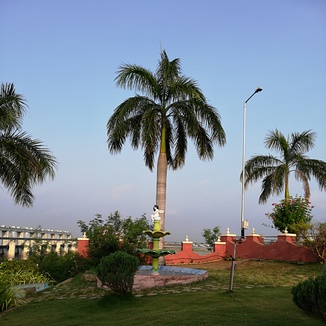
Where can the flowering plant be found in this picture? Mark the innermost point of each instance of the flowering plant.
(291, 212)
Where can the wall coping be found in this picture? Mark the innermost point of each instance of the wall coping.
(287, 235)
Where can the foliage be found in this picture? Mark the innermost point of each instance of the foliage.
(117, 271)
(60, 268)
(314, 236)
(24, 161)
(8, 297)
(16, 273)
(275, 171)
(22, 272)
(57, 267)
(263, 288)
(310, 296)
(211, 235)
(171, 110)
(290, 213)
(113, 234)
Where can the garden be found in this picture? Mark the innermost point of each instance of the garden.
(261, 294)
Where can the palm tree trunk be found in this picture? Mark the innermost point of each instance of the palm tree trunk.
(162, 166)
(161, 189)
(287, 193)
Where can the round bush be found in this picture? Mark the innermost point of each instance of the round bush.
(117, 271)
(310, 295)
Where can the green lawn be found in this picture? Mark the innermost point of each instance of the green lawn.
(262, 296)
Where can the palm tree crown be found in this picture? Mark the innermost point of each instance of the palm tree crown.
(24, 162)
(171, 110)
(275, 171)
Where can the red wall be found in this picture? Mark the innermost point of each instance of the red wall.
(82, 246)
(285, 249)
(252, 247)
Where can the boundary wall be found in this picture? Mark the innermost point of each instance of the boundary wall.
(252, 247)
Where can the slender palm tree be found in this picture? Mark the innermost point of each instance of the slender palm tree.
(24, 161)
(275, 171)
(172, 109)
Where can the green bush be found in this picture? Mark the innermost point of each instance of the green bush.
(60, 268)
(16, 273)
(310, 295)
(21, 273)
(117, 271)
(114, 234)
(291, 212)
(8, 297)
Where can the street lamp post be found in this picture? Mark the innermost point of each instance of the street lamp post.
(243, 222)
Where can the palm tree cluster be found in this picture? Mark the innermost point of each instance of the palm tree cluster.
(275, 171)
(171, 110)
(24, 161)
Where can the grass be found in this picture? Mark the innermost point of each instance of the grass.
(262, 295)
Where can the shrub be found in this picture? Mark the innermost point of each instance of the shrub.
(310, 295)
(16, 273)
(21, 273)
(8, 297)
(60, 268)
(114, 234)
(117, 271)
(291, 212)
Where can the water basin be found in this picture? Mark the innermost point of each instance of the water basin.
(167, 276)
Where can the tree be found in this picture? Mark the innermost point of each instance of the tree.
(172, 109)
(113, 234)
(24, 162)
(275, 171)
(314, 236)
(211, 236)
(291, 213)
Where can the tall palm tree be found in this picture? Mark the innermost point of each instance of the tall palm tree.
(275, 171)
(24, 161)
(172, 109)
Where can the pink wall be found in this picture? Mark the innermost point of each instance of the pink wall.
(285, 248)
(82, 246)
(252, 247)
(187, 256)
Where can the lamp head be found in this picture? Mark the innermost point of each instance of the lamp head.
(259, 89)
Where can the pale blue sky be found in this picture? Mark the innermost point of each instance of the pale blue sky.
(62, 56)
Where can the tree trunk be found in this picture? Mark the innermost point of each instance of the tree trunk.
(161, 189)
(287, 193)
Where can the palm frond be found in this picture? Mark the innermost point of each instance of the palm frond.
(302, 142)
(12, 107)
(23, 163)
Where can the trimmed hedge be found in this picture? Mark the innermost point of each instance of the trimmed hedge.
(117, 271)
(310, 296)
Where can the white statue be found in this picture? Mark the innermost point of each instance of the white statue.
(156, 215)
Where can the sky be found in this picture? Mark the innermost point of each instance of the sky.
(62, 56)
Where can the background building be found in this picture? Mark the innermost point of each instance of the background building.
(16, 242)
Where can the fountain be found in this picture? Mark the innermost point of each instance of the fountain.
(157, 276)
(156, 234)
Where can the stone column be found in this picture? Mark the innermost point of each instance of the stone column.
(220, 247)
(186, 245)
(11, 250)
